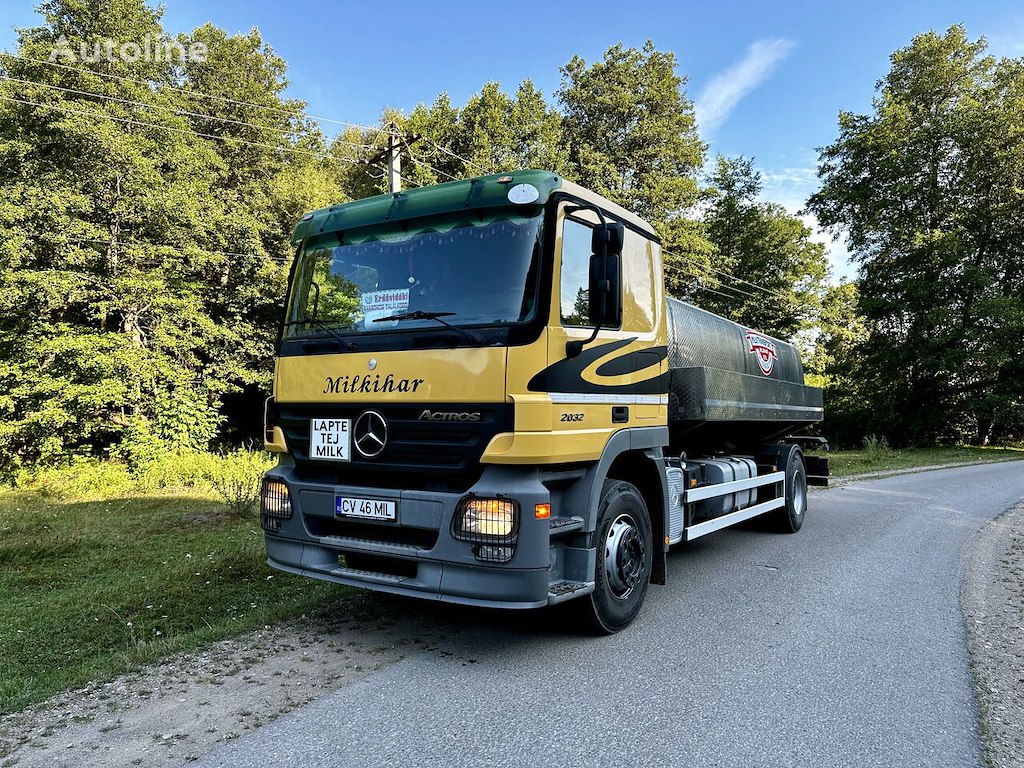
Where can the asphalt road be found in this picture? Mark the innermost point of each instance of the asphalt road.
(842, 645)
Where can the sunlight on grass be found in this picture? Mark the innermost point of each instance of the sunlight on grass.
(92, 588)
(879, 457)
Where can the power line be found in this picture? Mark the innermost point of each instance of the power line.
(376, 130)
(189, 92)
(143, 244)
(693, 260)
(429, 167)
(457, 157)
(173, 110)
(716, 293)
(737, 292)
(181, 130)
(87, 113)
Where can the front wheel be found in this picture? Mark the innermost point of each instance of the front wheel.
(625, 554)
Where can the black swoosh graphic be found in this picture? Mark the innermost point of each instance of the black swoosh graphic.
(567, 375)
(629, 364)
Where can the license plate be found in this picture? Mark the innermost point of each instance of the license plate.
(372, 509)
(330, 439)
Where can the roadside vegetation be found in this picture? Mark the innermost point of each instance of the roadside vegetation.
(101, 571)
(876, 455)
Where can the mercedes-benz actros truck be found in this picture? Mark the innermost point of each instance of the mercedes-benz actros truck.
(483, 395)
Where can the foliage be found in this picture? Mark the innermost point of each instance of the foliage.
(929, 190)
(630, 132)
(783, 270)
(836, 364)
(847, 463)
(236, 477)
(876, 449)
(143, 234)
(83, 478)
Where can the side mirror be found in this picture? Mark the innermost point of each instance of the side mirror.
(608, 236)
(605, 304)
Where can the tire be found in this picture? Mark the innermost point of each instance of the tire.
(625, 554)
(790, 518)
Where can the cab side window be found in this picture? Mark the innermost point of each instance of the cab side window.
(575, 276)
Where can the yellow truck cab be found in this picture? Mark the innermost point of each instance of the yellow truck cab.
(482, 395)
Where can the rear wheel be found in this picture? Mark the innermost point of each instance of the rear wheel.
(790, 518)
(625, 553)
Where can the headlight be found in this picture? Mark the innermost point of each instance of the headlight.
(490, 520)
(275, 501)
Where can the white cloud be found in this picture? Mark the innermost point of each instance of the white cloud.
(721, 95)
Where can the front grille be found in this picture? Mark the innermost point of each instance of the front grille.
(420, 454)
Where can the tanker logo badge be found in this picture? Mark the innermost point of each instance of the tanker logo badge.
(763, 349)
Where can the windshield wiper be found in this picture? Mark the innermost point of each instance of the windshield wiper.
(419, 314)
(347, 345)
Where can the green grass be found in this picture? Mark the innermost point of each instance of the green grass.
(90, 589)
(881, 458)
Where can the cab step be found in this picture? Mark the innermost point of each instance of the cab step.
(565, 524)
(560, 591)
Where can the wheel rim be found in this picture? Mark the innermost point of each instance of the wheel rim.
(624, 555)
(799, 497)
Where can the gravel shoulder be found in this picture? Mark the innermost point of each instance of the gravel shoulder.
(172, 713)
(993, 601)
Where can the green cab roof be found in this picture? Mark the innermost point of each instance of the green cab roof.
(478, 192)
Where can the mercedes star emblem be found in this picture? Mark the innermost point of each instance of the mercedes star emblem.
(370, 434)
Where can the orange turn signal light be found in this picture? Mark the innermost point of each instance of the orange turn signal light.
(542, 511)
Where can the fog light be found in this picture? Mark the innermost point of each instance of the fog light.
(490, 520)
(275, 501)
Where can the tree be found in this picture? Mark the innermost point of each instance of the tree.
(836, 363)
(781, 272)
(928, 189)
(630, 134)
(491, 133)
(143, 233)
(630, 131)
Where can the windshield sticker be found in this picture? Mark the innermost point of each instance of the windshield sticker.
(377, 305)
(396, 300)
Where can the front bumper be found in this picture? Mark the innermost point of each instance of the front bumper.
(417, 555)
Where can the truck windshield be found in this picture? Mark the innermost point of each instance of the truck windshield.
(476, 267)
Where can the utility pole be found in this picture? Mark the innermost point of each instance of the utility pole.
(394, 160)
(391, 157)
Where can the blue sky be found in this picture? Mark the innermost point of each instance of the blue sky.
(768, 78)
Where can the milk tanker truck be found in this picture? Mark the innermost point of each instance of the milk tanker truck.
(482, 395)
